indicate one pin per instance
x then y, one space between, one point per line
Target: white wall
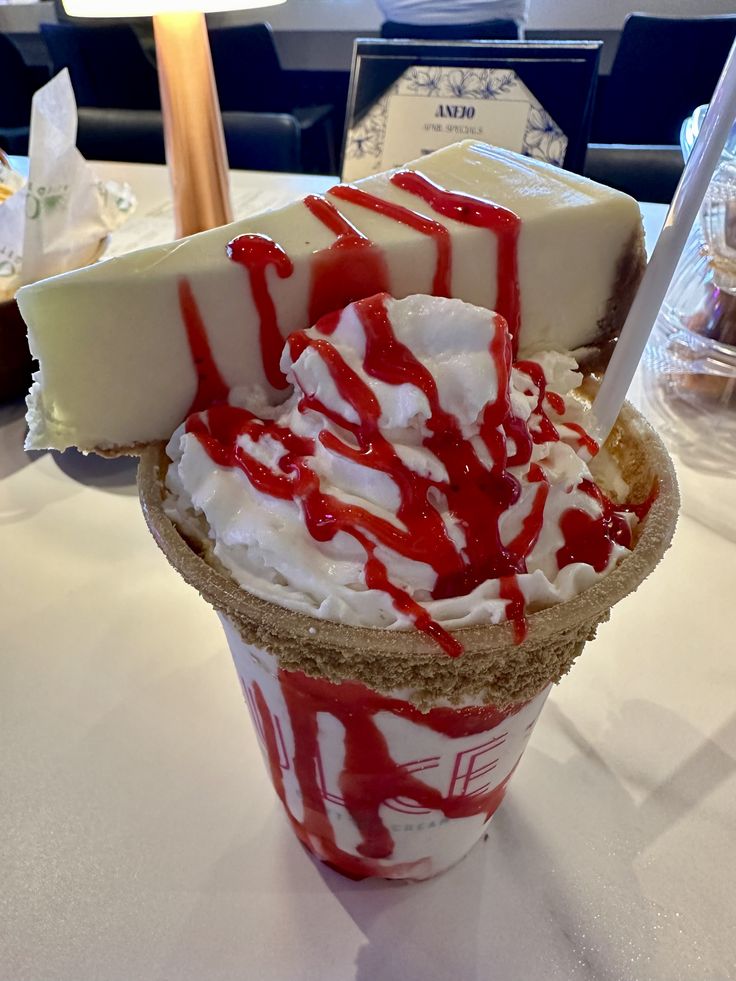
363 15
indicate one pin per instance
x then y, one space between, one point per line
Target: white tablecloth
140 838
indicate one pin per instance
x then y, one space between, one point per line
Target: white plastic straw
682 213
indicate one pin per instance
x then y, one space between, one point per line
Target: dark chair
647 173
19 82
493 30
663 69
247 69
255 141
250 78
322 88
107 65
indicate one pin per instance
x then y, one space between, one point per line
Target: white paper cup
401 785
371 785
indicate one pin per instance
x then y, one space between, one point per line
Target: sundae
395 501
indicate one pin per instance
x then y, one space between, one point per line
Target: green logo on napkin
45 200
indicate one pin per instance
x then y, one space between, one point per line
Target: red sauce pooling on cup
369 777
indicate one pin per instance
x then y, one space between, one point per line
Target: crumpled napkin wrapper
59 218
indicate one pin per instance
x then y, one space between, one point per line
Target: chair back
107 65
255 141
647 173
664 68
15 106
490 30
247 69
263 141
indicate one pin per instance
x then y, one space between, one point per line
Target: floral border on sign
543 138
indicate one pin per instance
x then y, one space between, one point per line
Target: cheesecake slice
129 346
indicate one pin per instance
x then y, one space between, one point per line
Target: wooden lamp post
195 144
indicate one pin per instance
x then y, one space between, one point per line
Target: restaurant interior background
138 830
284 90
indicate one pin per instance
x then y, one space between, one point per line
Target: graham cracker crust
594 357
629 272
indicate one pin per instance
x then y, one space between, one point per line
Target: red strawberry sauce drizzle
354 267
556 401
590 539
405 216
256 253
501 222
476 495
210 385
584 439
349 269
369 776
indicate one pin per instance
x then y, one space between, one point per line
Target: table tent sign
409 98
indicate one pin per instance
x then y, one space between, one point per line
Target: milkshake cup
389 756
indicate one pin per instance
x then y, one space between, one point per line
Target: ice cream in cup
393 499
406 555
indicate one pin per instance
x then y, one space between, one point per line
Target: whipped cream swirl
414 476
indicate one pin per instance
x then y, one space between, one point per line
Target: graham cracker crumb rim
493 666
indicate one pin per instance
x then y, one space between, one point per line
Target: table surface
139 835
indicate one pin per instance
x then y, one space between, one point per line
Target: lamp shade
147 8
